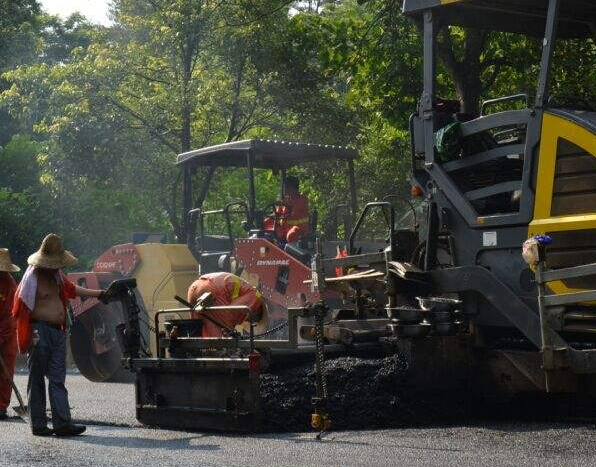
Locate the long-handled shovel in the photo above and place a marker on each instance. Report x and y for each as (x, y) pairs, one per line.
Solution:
(21, 409)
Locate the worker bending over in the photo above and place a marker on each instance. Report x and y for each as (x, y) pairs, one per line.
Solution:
(227, 289)
(8, 335)
(40, 310)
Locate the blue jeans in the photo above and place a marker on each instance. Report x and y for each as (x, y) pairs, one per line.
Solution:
(47, 359)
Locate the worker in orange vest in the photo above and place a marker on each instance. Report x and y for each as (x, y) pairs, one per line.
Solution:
(294, 212)
(227, 289)
(8, 330)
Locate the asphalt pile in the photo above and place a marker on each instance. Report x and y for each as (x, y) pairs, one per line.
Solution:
(362, 394)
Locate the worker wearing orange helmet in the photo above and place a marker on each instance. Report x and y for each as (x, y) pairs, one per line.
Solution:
(227, 289)
(8, 330)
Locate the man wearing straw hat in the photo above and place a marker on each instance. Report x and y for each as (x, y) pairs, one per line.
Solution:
(40, 310)
(8, 336)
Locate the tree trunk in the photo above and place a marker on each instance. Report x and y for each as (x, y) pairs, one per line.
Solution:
(469, 89)
(187, 54)
(186, 105)
(232, 130)
(467, 72)
(179, 228)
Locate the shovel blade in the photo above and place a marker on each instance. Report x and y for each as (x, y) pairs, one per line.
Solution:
(20, 411)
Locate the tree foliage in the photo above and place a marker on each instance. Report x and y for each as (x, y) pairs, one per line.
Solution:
(92, 117)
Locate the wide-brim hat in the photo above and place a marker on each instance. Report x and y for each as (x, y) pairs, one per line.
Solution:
(6, 263)
(52, 255)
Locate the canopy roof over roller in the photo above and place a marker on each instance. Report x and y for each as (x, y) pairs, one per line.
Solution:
(266, 154)
(577, 18)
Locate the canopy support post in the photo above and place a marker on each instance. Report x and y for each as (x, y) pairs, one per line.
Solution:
(251, 187)
(548, 49)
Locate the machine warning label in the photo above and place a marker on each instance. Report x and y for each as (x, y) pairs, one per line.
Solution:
(489, 239)
(273, 262)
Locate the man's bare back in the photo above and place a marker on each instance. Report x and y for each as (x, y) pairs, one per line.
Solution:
(48, 305)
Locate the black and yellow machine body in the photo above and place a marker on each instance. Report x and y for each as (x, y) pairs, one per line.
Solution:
(514, 174)
(565, 202)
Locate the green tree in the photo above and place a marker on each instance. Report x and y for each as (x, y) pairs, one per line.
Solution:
(18, 24)
(25, 209)
(120, 104)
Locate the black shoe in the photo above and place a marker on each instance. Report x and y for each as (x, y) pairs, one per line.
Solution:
(45, 431)
(70, 430)
(3, 415)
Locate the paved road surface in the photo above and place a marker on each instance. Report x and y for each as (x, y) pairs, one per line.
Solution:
(115, 439)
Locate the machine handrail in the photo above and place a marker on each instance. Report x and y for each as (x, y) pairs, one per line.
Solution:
(290, 343)
(367, 208)
(208, 308)
(581, 361)
(543, 275)
(226, 211)
(500, 100)
(481, 157)
(386, 198)
(567, 273)
(496, 120)
(192, 230)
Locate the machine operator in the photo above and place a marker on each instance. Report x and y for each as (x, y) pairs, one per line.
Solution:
(290, 221)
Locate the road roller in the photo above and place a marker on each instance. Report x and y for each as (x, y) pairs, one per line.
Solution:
(161, 270)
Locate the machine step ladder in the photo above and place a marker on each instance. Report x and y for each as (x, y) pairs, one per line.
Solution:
(557, 354)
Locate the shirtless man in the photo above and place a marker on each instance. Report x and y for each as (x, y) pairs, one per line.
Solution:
(40, 310)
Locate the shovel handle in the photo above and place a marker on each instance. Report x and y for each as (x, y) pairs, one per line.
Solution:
(184, 302)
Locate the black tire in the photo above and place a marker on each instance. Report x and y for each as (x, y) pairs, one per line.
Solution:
(104, 367)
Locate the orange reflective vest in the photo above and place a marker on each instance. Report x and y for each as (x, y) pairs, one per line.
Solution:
(298, 215)
(227, 289)
(295, 221)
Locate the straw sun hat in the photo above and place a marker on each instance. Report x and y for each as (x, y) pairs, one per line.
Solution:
(51, 254)
(6, 263)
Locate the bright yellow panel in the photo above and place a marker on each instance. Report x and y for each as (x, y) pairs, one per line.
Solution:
(554, 128)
